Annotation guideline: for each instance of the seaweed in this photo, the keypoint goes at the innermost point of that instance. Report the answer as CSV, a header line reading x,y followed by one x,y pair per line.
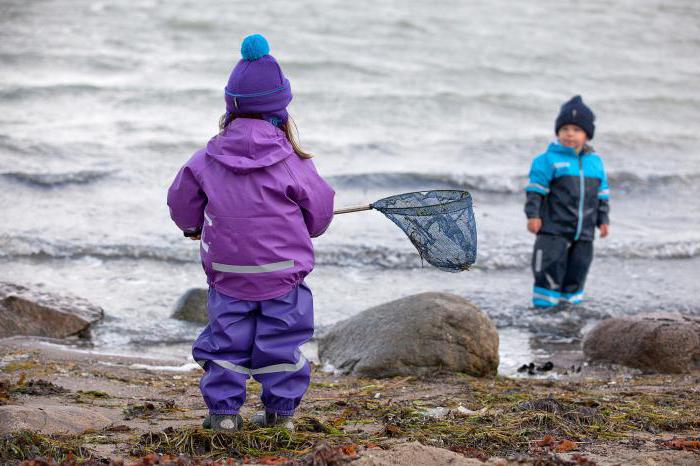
x,y
150,410
24,445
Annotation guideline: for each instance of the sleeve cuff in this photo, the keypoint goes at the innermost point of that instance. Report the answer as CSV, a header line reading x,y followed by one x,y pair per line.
x,y
192,233
537,188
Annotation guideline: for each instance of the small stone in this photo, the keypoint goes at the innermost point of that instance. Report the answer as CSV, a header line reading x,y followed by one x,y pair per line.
x,y
548,366
192,306
437,412
468,412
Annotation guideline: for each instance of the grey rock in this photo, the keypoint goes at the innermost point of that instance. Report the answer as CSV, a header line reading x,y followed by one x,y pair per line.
x,y
417,335
660,342
37,313
192,306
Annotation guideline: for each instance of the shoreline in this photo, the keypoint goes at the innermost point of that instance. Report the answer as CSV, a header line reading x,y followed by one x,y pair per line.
x,y
563,354
608,415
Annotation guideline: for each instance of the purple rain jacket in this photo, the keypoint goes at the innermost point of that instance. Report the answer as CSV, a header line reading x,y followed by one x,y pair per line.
x,y
257,204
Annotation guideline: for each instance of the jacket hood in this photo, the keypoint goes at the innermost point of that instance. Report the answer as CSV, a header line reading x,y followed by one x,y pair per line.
x,y
249,144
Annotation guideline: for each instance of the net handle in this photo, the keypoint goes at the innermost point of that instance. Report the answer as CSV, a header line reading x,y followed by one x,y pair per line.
x,y
355,208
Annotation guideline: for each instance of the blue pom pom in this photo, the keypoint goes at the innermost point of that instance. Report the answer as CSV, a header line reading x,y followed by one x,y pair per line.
x,y
254,46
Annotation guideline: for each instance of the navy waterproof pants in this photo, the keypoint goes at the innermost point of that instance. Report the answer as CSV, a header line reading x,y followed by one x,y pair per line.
x,y
560,267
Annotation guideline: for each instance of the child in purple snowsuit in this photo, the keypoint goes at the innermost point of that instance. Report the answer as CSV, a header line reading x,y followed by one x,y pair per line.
x,y
255,200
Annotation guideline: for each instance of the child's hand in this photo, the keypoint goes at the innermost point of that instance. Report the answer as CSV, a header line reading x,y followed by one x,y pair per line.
x,y
534,225
604,230
196,237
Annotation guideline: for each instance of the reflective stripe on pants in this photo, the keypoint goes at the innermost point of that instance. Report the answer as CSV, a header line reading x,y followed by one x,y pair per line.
x,y
258,338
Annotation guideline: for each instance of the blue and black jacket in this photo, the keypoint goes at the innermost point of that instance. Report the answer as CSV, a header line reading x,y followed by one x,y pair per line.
x,y
569,192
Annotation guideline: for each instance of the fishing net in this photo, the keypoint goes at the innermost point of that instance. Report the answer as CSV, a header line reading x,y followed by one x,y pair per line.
x,y
440,224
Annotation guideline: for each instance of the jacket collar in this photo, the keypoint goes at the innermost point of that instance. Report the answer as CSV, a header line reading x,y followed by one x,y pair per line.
x,y
556,147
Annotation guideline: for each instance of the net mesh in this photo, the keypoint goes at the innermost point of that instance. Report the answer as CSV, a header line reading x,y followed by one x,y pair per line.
x,y
440,224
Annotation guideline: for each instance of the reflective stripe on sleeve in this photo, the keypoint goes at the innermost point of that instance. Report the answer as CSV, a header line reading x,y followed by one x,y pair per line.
x,y
537,187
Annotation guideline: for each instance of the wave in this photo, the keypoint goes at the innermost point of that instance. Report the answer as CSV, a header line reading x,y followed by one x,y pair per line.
x,y
344,255
655,101
122,94
166,147
22,92
182,24
520,256
494,184
368,256
516,256
329,65
625,179
34,148
52,180
31,247
665,251
423,181
96,62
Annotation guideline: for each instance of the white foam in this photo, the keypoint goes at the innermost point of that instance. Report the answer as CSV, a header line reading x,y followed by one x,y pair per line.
x,y
187,367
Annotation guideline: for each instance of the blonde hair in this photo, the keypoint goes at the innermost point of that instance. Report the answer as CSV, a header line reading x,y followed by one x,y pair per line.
x,y
286,127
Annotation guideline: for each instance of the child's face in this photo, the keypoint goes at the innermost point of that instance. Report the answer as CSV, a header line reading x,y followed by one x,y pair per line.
x,y
572,136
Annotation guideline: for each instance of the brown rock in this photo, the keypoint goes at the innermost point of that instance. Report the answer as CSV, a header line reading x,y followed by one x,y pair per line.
x,y
668,343
413,453
36,313
50,419
417,335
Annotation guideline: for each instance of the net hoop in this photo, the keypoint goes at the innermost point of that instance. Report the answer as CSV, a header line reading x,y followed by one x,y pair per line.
x,y
464,200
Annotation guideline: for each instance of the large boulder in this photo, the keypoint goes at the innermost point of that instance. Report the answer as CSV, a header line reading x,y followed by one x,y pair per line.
x,y
662,342
37,313
192,306
417,335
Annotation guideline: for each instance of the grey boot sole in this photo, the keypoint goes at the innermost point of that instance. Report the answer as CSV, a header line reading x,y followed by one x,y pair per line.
x,y
223,422
263,419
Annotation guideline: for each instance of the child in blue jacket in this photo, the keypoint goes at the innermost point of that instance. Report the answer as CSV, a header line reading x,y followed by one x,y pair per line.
x,y
567,198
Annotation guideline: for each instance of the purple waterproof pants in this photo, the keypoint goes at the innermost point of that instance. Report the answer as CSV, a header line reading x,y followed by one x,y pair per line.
x,y
258,338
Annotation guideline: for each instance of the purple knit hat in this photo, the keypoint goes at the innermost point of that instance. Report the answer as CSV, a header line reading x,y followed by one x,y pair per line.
x,y
257,84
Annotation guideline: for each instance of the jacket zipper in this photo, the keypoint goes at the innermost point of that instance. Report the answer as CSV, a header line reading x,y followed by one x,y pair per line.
x,y
582,192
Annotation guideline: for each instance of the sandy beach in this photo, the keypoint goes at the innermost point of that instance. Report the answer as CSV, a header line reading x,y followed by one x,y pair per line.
x,y
86,405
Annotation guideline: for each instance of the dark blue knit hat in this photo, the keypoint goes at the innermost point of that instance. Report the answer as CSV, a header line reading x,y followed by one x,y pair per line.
x,y
575,112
